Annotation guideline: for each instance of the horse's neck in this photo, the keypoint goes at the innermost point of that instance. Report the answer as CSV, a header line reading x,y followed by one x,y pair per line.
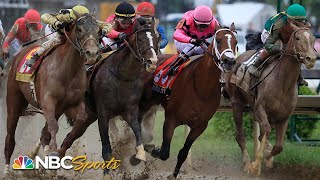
x,y
71,60
287,73
127,66
207,76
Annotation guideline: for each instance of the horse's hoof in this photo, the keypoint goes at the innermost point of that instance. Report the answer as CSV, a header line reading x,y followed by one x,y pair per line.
x,y
269,163
254,169
107,177
149,148
156,153
6,169
171,177
46,150
54,153
141,154
134,161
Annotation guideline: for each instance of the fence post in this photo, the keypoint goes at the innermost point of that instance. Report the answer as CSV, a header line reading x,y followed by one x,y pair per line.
x,y
292,126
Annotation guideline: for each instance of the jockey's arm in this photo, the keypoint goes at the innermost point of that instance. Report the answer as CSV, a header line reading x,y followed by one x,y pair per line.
x,y
270,44
9,38
164,40
180,32
53,18
107,27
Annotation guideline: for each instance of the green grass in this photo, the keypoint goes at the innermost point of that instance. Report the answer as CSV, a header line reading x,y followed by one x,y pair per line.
x,y
209,146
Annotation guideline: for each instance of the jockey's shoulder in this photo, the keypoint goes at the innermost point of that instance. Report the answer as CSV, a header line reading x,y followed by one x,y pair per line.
x,y
280,22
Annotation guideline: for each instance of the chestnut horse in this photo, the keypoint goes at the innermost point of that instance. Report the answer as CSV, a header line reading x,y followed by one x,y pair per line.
x,y
116,88
195,95
59,83
275,98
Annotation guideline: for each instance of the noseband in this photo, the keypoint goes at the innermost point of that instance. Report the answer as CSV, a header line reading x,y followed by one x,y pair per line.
x,y
77,45
138,54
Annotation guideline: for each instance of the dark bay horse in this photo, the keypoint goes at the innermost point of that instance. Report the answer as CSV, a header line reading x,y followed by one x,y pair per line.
x,y
274,100
195,95
59,83
116,88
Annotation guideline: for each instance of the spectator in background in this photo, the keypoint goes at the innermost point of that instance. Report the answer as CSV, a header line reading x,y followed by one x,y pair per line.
x,y
147,11
22,30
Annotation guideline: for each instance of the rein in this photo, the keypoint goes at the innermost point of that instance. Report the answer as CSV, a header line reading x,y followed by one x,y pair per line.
x,y
297,56
138,55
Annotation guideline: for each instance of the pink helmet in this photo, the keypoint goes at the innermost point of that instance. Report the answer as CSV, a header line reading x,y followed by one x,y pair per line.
x,y
202,15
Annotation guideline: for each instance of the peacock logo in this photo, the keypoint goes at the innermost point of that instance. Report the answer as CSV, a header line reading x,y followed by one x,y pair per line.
x,y
23,162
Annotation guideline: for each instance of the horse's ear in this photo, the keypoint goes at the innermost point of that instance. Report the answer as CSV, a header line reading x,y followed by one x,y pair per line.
x,y
293,25
232,27
94,13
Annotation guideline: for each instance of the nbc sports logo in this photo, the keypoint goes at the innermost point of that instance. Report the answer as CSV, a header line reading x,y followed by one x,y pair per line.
x,y
23,162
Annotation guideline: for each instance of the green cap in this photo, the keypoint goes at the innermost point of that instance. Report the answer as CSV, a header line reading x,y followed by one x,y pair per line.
x,y
296,11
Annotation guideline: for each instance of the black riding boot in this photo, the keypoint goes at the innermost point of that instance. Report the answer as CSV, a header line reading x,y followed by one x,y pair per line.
x,y
301,81
181,59
253,69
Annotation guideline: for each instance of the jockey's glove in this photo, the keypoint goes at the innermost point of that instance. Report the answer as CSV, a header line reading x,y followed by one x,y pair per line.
x,y
122,36
59,25
196,42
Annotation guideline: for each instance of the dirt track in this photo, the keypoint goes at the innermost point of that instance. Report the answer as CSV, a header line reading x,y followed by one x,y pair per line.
x,y
204,167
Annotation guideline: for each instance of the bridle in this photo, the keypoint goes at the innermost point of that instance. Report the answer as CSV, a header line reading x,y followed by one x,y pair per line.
x,y
138,54
77,45
297,55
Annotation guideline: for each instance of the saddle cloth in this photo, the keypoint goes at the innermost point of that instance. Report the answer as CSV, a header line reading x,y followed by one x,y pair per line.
x,y
243,79
25,73
162,84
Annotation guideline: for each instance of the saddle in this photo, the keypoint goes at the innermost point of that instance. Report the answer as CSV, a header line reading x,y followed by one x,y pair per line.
x,y
246,81
162,82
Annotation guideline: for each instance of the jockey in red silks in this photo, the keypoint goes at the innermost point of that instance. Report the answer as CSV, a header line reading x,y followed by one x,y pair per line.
x,y
123,22
22,29
191,31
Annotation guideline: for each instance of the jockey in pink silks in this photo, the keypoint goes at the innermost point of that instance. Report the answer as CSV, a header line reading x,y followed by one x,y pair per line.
x,y
195,26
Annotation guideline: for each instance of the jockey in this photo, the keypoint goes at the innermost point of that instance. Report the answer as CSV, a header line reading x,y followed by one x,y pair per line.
x,y
58,22
22,30
123,22
194,27
147,11
271,35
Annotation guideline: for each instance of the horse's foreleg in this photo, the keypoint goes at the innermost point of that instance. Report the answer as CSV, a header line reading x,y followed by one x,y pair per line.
x,y
237,109
183,153
132,119
280,128
16,104
53,127
261,117
103,123
82,122
168,130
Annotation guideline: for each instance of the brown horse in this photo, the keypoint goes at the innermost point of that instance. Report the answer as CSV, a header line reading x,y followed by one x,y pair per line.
x,y
116,88
195,95
274,99
59,83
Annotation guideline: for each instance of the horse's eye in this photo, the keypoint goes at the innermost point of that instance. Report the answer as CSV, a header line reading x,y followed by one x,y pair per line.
x,y
79,30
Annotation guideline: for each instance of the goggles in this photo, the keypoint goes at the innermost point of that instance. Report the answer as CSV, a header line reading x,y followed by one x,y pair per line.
x,y
203,26
125,20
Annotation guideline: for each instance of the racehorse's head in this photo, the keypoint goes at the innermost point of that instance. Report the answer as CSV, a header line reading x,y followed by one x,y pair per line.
x,y
87,34
224,46
301,46
144,42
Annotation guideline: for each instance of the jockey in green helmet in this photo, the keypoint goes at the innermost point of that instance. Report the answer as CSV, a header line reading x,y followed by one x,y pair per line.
x,y
272,33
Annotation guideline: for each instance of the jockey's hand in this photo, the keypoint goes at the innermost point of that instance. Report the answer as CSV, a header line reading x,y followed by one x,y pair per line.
x,y
196,42
103,32
122,36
